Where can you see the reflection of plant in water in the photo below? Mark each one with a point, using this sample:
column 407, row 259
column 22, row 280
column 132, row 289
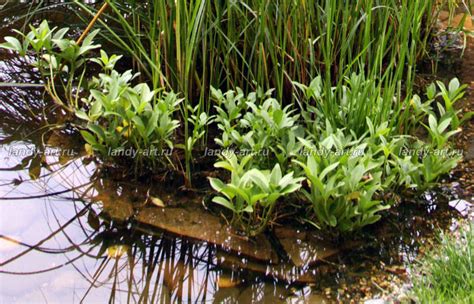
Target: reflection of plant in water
column 38, row 245
column 151, row 268
column 139, row 267
column 23, row 120
column 135, row 264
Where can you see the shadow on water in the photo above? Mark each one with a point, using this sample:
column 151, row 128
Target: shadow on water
column 69, row 234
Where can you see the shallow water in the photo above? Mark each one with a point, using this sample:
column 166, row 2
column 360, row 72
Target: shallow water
column 69, row 233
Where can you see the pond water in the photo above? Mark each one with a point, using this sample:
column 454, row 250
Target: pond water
column 72, row 232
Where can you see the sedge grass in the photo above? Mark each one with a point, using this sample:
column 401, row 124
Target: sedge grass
column 190, row 45
column 447, row 273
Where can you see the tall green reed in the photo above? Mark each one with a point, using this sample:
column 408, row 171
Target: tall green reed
column 191, row 45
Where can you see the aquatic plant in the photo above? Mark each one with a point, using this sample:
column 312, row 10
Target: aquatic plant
column 440, row 102
column 189, row 46
column 61, row 61
column 343, row 176
column 437, row 157
column 252, row 194
column 450, row 95
column 347, row 170
column 121, row 117
column 199, row 121
column 289, row 129
column 257, row 124
column 348, row 104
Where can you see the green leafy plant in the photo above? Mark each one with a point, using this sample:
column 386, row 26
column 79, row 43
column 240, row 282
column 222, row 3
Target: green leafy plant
column 252, row 194
column 123, row 117
column 438, row 131
column 346, row 105
column 188, row 46
column 450, row 96
column 57, row 58
column 199, row 123
column 360, row 62
column 410, row 162
column 267, row 131
column 436, row 93
column 343, row 178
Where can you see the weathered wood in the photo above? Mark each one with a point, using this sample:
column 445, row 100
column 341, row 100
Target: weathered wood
column 196, row 223
column 303, row 248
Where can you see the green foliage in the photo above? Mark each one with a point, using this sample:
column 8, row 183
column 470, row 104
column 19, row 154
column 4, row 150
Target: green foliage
column 199, row 120
column 189, row 46
column 347, row 170
column 438, row 158
column 252, row 194
column 450, row 96
column 446, row 275
column 57, row 58
column 343, row 176
column 259, row 125
column 445, row 109
column 107, row 63
column 119, row 116
column 346, row 105
column 326, row 79
column 409, row 162
column 438, row 135
column 264, row 44
column 123, row 117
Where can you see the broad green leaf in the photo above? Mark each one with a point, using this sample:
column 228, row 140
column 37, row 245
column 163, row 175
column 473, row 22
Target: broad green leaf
column 152, row 124
column 140, row 126
column 443, row 125
column 82, row 115
column 257, row 197
column 454, row 85
column 12, row 43
column 328, row 169
column 224, row 165
column 433, row 123
column 258, row 178
column 89, row 138
column 98, row 131
column 276, row 175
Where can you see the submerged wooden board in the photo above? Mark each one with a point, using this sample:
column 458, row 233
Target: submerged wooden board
column 304, row 248
column 196, row 223
column 283, row 271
